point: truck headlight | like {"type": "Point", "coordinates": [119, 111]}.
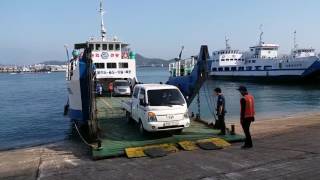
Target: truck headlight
{"type": "Point", "coordinates": [152, 117]}
{"type": "Point", "coordinates": [186, 114]}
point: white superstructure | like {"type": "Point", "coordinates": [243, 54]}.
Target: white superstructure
{"type": "Point", "coordinates": [263, 60]}
{"type": "Point", "coordinates": [100, 59]}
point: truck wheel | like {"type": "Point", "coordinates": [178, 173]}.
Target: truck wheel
{"type": "Point", "coordinates": [128, 117]}
{"type": "Point", "coordinates": [141, 128]}
{"type": "Point", "coordinates": [178, 131]}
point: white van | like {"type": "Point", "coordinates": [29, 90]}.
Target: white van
{"type": "Point", "coordinates": [157, 107]}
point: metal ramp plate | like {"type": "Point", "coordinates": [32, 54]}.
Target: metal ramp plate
{"type": "Point", "coordinates": [208, 146]}
{"type": "Point", "coordinates": [155, 152]}
{"type": "Point", "coordinates": [137, 152]}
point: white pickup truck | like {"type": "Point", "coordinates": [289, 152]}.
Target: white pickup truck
{"type": "Point", "coordinates": [157, 107]}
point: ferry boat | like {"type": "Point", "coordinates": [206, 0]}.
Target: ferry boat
{"type": "Point", "coordinates": [263, 61]}
{"type": "Point", "coordinates": [96, 61]}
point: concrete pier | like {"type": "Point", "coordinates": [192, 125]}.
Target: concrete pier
{"type": "Point", "coordinates": [284, 148]}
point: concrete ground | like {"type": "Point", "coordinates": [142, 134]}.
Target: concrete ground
{"type": "Point", "coordinates": [286, 148]}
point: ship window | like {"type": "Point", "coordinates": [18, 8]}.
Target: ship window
{"type": "Point", "coordinates": [111, 65]}
{"type": "Point", "coordinates": [99, 65]}
{"type": "Point", "coordinates": [214, 69]}
{"type": "Point", "coordinates": [220, 69]}
{"type": "Point", "coordinates": [117, 47]}
{"type": "Point", "coordinates": [233, 68]}
{"type": "Point", "coordinates": [258, 67]}
{"type": "Point", "coordinates": [227, 69]}
{"type": "Point", "coordinates": [98, 47]}
{"type": "Point", "coordinates": [222, 59]}
{"type": "Point", "coordinates": [248, 68]}
{"type": "Point", "coordinates": [227, 60]}
{"type": "Point", "coordinates": [241, 68]}
{"type": "Point", "coordinates": [267, 67]}
{"type": "Point", "coordinates": [123, 65]}
{"type": "Point", "coordinates": [253, 61]}
{"type": "Point", "coordinates": [111, 47]}
{"type": "Point", "coordinates": [91, 46]}
{"type": "Point", "coordinates": [104, 46]}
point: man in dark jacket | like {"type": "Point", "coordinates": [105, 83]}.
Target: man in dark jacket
{"type": "Point", "coordinates": [221, 105]}
{"type": "Point", "coordinates": [246, 115]}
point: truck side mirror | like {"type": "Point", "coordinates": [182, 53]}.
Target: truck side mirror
{"type": "Point", "coordinates": [142, 103]}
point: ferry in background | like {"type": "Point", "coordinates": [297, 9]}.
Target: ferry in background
{"type": "Point", "coordinates": [263, 61]}
{"type": "Point", "coordinates": [111, 59]}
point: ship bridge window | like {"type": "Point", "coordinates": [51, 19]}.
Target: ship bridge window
{"type": "Point", "coordinates": [99, 65]}
{"type": "Point", "coordinates": [123, 65]}
{"type": "Point", "coordinates": [249, 68]}
{"type": "Point", "coordinates": [220, 69]}
{"type": "Point", "coordinates": [241, 69]}
{"type": "Point", "coordinates": [111, 65]}
{"type": "Point", "coordinates": [267, 67]}
{"type": "Point", "coordinates": [227, 69]}
{"type": "Point", "coordinates": [104, 46]}
{"type": "Point", "coordinates": [117, 47]}
{"type": "Point", "coordinates": [222, 59]}
{"type": "Point", "coordinates": [214, 69]}
{"type": "Point", "coordinates": [111, 47]}
{"type": "Point", "coordinates": [98, 46]}
{"type": "Point", "coordinates": [91, 46]}
{"type": "Point", "coordinates": [233, 68]}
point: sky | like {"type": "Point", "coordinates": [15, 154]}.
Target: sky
{"type": "Point", "coordinates": [33, 31]}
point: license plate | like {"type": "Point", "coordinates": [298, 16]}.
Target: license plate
{"type": "Point", "coordinates": [171, 123]}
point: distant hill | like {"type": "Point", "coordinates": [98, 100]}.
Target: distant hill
{"type": "Point", "coordinates": [140, 61]}
{"type": "Point", "coordinates": [144, 61]}
{"type": "Point", "coordinates": [54, 62]}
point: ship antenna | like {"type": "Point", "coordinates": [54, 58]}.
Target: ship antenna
{"type": "Point", "coordinates": [295, 45]}
{"type": "Point", "coordinates": [227, 43]}
{"type": "Point", "coordinates": [103, 29]}
{"type": "Point", "coordinates": [261, 33]}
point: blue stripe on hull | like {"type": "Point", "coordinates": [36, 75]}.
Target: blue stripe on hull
{"type": "Point", "coordinates": [313, 70]}
{"type": "Point", "coordinates": [75, 114]}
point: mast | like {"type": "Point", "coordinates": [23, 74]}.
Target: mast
{"type": "Point", "coordinates": [103, 29]}
{"type": "Point", "coordinates": [261, 33]}
{"type": "Point", "coordinates": [295, 45]}
{"type": "Point", "coordinates": [227, 43]}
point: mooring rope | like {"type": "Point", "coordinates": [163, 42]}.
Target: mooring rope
{"type": "Point", "coordinates": [81, 137]}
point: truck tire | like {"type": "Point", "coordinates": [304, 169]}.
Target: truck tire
{"type": "Point", "coordinates": [178, 131]}
{"type": "Point", "coordinates": [141, 128]}
{"type": "Point", "coordinates": [128, 118]}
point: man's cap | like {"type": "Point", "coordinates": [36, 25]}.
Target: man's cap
{"type": "Point", "coordinates": [242, 89]}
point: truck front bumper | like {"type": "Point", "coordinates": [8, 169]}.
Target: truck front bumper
{"type": "Point", "coordinates": [166, 125]}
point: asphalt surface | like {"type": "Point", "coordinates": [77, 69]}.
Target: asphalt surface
{"type": "Point", "coordinates": [283, 149]}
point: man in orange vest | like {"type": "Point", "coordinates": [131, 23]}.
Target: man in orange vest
{"type": "Point", "coordinates": [246, 115]}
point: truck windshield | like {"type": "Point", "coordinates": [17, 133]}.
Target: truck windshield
{"type": "Point", "coordinates": [165, 97]}
{"type": "Point", "coordinates": [121, 83]}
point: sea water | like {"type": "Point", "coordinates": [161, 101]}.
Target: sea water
{"type": "Point", "coordinates": [31, 104]}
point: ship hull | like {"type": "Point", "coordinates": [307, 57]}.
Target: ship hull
{"type": "Point", "coordinates": [310, 74]}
